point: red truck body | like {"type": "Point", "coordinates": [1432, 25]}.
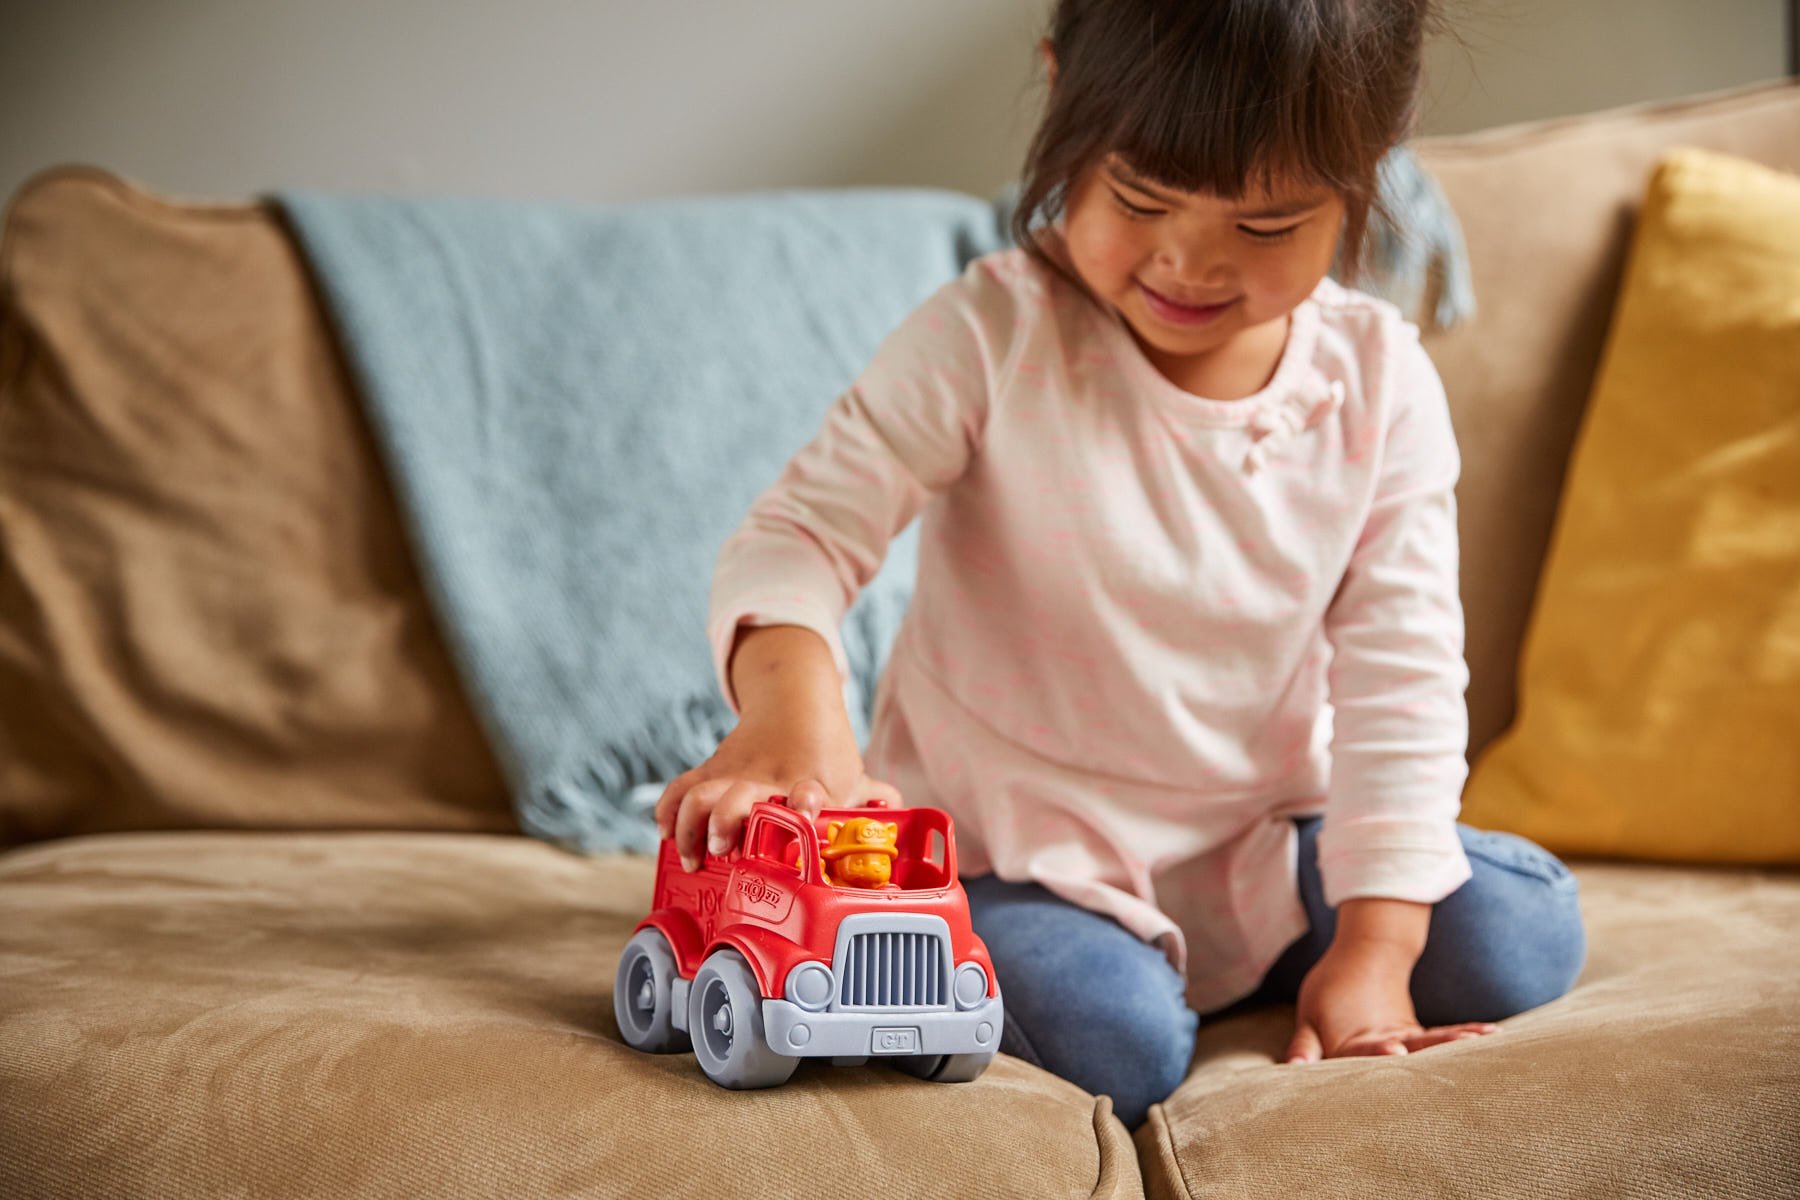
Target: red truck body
{"type": "Point", "coordinates": [761, 957]}
{"type": "Point", "coordinates": [773, 905]}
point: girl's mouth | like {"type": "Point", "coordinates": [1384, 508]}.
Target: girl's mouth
{"type": "Point", "coordinates": [1183, 314]}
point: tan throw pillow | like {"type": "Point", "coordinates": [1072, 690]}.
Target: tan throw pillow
{"type": "Point", "coordinates": [1659, 711]}
{"type": "Point", "coordinates": [208, 614]}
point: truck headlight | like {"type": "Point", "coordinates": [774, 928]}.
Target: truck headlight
{"type": "Point", "coordinates": [810, 985]}
{"type": "Point", "coordinates": [971, 985]}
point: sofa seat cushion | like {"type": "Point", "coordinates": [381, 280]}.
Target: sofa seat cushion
{"type": "Point", "coordinates": [1672, 1069]}
{"type": "Point", "coordinates": [430, 1014]}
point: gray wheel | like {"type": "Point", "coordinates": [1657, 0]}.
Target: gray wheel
{"type": "Point", "coordinates": [641, 994]}
{"type": "Point", "coordinates": [946, 1068]}
{"type": "Point", "coordinates": [725, 1022]}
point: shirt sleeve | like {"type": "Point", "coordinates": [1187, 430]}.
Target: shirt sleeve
{"type": "Point", "coordinates": [1400, 727]}
{"type": "Point", "coordinates": [908, 427]}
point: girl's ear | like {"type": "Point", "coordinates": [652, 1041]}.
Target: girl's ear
{"type": "Point", "coordinates": [1049, 55]}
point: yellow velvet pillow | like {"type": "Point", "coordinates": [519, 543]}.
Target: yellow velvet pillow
{"type": "Point", "coordinates": [1659, 692]}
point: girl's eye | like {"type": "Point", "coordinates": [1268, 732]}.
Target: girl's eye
{"type": "Point", "coordinates": [1131, 210]}
{"type": "Point", "coordinates": [1270, 235]}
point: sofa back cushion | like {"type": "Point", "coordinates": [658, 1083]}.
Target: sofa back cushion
{"type": "Point", "coordinates": [208, 614]}
{"type": "Point", "coordinates": [1547, 209]}
{"type": "Point", "coordinates": [1660, 682]}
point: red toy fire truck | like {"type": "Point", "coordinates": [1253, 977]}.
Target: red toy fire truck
{"type": "Point", "coordinates": [844, 937]}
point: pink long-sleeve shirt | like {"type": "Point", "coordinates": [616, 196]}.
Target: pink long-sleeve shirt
{"type": "Point", "coordinates": [1149, 627]}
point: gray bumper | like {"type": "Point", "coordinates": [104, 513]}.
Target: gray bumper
{"type": "Point", "coordinates": [793, 1030]}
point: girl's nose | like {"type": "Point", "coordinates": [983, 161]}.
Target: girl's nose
{"type": "Point", "coordinates": [1197, 266]}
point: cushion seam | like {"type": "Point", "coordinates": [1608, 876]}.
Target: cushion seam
{"type": "Point", "coordinates": [1166, 1138]}
{"type": "Point", "coordinates": [1100, 1151]}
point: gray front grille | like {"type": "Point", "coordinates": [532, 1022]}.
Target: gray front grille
{"type": "Point", "coordinates": [893, 970]}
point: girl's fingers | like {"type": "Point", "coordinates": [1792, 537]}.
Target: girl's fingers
{"type": "Point", "coordinates": [707, 815]}
{"type": "Point", "coordinates": [1397, 1041]}
{"type": "Point", "coordinates": [1405, 1041]}
{"type": "Point", "coordinates": [808, 796]}
{"type": "Point", "coordinates": [728, 814]}
{"type": "Point", "coordinates": [1372, 1045]}
{"type": "Point", "coordinates": [691, 820]}
{"type": "Point", "coordinates": [1450, 1033]}
{"type": "Point", "coordinates": [670, 801]}
{"type": "Point", "coordinates": [874, 789]}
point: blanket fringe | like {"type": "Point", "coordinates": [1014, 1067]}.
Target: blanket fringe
{"type": "Point", "coordinates": [608, 803]}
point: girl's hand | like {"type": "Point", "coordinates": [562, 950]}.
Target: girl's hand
{"type": "Point", "coordinates": [813, 766]}
{"type": "Point", "coordinates": [1356, 1001]}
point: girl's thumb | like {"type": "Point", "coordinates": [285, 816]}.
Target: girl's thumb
{"type": "Point", "coordinates": [1304, 1046]}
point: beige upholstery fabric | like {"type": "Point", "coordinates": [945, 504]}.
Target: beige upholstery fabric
{"type": "Point", "coordinates": [1670, 1071]}
{"type": "Point", "coordinates": [208, 613]}
{"type": "Point", "coordinates": [196, 1014]}
{"type": "Point", "coordinates": [430, 1015]}
{"type": "Point", "coordinates": [1547, 210]}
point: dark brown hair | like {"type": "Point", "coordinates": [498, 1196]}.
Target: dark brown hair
{"type": "Point", "coordinates": [1219, 95]}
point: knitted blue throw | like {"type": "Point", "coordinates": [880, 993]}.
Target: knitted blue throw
{"type": "Point", "coordinates": [576, 406]}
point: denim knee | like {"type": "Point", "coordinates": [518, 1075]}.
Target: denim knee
{"type": "Point", "coordinates": [1510, 939]}
{"type": "Point", "coordinates": [1135, 1049]}
{"type": "Point", "coordinates": [1085, 998]}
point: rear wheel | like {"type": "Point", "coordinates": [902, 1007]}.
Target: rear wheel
{"type": "Point", "coordinates": [725, 1022]}
{"type": "Point", "coordinates": [946, 1068]}
{"type": "Point", "coordinates": [642, 995]}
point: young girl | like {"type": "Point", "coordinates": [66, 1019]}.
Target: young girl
{"type": "Point", "coordinates": [1184, 656]}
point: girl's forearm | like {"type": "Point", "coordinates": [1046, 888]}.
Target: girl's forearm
{"type": "Point", "coordinates": [786, 672]}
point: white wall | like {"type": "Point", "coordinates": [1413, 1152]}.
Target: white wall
{"type": "Point", "coordinates": [623, 99]}
{"type": "Point", "coordinates": [1520, 60]}
{"type": "Point", "coordinates": [576, 99]}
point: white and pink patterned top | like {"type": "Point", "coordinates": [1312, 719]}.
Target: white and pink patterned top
{"type": "Point", "coordinates": [1149, 627]}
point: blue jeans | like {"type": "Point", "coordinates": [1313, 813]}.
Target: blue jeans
{"type": "Point", "coordinates": [1090, 1001]}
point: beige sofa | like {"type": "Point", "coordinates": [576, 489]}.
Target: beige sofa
{"type": "Point", "coordinates": [267, 927]}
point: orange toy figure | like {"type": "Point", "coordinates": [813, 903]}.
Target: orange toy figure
{"type": "Point", "coordinates": [861, 852]}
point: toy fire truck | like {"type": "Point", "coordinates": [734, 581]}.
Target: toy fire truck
{"type": "Point", "coordinates": [844, 937]}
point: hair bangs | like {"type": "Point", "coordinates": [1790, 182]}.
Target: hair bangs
{"type": "Point", "coordinates": [1272, 112]}
{"type": "Point", "coordinates": [1235, 98]}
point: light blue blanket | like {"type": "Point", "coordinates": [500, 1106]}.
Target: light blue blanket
{"type": "Point", "coordinates": [578, 404]}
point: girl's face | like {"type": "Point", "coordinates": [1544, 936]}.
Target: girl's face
{"type": "Point", "coordinates": [1191, 271]}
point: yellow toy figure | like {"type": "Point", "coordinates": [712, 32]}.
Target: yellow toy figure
{"type": "Point", "coordinates": [860, 852]}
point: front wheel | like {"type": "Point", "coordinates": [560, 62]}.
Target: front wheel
{"type": "Point", "coordinates": [725, 1022]}
{"type": "Point", "coordinates": [946, 1068]}
{"type": "Point", "coordinates": [642, 995]}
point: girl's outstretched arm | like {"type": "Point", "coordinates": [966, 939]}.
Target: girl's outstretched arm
{"type": "Point", "coordinates": [1389, 849]}
{"type": "Point", "coordinates": [908, 428]}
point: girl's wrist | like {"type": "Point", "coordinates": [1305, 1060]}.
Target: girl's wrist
{"type": "Point", "coordinates": [1380, 927]}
